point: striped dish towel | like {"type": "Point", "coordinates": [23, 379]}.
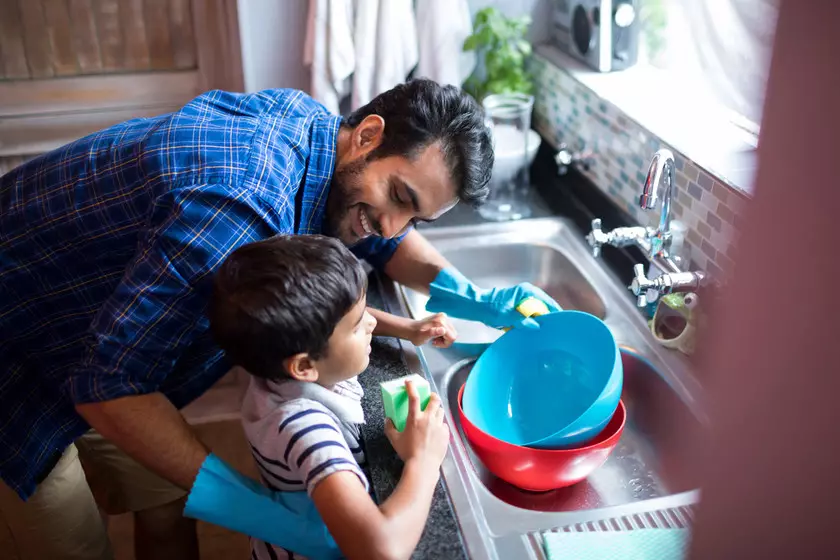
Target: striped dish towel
{"type": "Point", "coordinates": [641, 544]}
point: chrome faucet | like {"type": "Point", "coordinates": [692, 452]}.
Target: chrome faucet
{"type": "Point", "coordinates": [655, 243]}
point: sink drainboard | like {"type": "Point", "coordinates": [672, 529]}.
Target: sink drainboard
{"type": "Point", "coordinates": [670, 518]}
{"type": "Point", "coordinates": [645, 483]}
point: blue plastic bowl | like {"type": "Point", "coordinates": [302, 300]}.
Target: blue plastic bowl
{"type": "Point", "coordinates": [554, 387]}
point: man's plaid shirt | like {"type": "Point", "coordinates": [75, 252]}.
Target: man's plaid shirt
{"type": "Point", "coordinates": [108, 244]}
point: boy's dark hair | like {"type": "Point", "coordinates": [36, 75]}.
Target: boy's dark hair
{"type": "Point", "coordinates": [282, 296]}
{"type": "Point", "coordinates": [421, 112]}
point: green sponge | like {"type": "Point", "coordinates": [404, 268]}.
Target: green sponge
{"type": "Point", "coordinates": [395, 398]}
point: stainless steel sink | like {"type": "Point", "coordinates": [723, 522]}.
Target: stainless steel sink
{"type": "Point", "coordinates": [490, 266]}
{"type": "Point", "coordinates": [643, 473]}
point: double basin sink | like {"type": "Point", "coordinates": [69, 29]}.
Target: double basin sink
{"type": "Point", "coordinates": [643, 477]}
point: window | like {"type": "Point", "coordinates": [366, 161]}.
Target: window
{"type": "Point", "coordinates": [716, 49]}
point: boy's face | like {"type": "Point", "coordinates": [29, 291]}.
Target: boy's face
{"type": "Point", "coordinates": [348, 350]}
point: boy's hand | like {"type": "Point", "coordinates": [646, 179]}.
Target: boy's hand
{"type": "Point", "coordinates": [425, 437]}
{"type": "Point", "coordinates": [436, 328]}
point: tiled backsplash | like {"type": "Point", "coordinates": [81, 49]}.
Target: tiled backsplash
{"type": "Point", "coordinates": [567, 111]}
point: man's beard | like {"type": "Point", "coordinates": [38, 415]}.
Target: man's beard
{"type": "Point", "coordinates": [345, 192]}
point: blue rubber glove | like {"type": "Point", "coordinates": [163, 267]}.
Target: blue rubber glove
{"type": "Point", "coordinates": [222, 496]}
{"type": "Point", "coordinates": [452, 293]}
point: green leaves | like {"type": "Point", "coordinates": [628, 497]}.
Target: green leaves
{"type": "Point", "coordinates": [501, 41]}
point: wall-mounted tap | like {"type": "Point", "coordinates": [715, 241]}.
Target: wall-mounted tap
{"type": "Point", "coordinates": [659, 186]}
{"type": "Point", "coordinates": [566, 157]}
{"type": "Point", "coordinates": [661, 176]}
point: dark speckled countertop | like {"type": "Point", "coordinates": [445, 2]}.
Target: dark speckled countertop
{"type": "Point", "coordinates": [570, 196]}
{"type": "Point", "coordinates": [441, 537]}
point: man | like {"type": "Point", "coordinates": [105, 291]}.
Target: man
{"type": "Point", "coordinates": [107, 248]}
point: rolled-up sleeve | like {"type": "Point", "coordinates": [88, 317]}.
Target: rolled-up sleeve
{"type": "Point", "coordinates": [377, 250]}
{"type": "Point", "coordinates": [158, 307]}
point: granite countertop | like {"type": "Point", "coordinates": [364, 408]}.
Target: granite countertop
{"type": "Point", "coordinates": [571, 196]}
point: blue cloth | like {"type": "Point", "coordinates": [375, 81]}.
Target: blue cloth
{"type": "Point", "coordinates": [222, 496]}
{"type": "Point", "coordinates": [452, 293]}
{"type": "Point", "coordinates": [107, 246]}
{"type": "Point", "coordinates": [638, 544]}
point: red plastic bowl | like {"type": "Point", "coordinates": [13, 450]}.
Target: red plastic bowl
{"type": "Point", "coordinates": [541, 470]}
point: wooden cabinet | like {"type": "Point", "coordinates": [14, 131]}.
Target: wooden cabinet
{"type": "Point", "coordinates": [70, 67]}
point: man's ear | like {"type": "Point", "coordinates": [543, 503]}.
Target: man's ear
{"type": "Point", "coordinates": [301, 367]}
{"type": "Point", "coordinates": [367, 136]}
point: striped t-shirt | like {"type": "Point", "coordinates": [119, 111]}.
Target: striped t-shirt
{"type": "Point", "coordinates": [300, 433]}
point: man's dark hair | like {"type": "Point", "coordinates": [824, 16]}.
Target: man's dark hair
{"type": "Point", "coordinates": [282, 296]}
{"type": "Point", "coordinates": [422, 112]}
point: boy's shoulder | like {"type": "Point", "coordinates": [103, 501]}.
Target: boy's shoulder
{"type": "Point", "coordinates": [263, 404]}
{"type": "Point", "coordinates": [298, 441]}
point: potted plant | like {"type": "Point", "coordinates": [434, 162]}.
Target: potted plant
{"type": "Point", "coordinates": [502, 50]}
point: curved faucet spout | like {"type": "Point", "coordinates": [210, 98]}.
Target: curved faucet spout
{"type": "Point", "coordinates": [660, 183]}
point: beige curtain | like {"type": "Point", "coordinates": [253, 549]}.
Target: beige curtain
{"type": "Point", "coordinates": [723, 46]}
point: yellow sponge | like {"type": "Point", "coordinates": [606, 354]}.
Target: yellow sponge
{"type": "Point", "coordinates": [532, 306]}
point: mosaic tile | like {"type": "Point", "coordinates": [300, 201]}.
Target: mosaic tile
{"type": "Point", "coordinates": [713, 221]}
{"type": "Point", "coordinates": [574, 114]}
{"type": "Point", "coordinates": [721, 192]}
{"type": "Point", "coordinates": [725, 213]}
{"type": "Point", "coordinates": [724, 262]}
{"type": "Point", "coordinates": [694, 236]}
{"type": "Point", "coordinates": [713, 270]}
{"type": "Point", "coordinates": [708, 249]}
{"type": "Point", "coordinates": [695, 191]}
{"type": "Point", "coordinates": [705, 181]}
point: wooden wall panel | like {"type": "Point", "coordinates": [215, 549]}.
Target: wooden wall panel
{"type": "Point", "coordinates": [157, 34]}
{"type": "Point", "coordinates": [60, 33]}
{"type": "Point", "coordinates": [85, 39]}
{"type": "Point", "coordinates": [11, 41]}
{"type": "Point", "coordinates": [183, 40]}
{"type": "Point", "coordinates": [48, 38]}
{"type": "Point", "coordinates": [134, 28]}
{"type": "Point", "coordinates": [36, 41]}
{"type": "Point", "coordinates": [110, 35]}
{"type": "Point", "coordinates": [116, 59]}
{"type": "Point", "coordinates": [217, 44]}
{"type": "Point", "coordinates": [91, 93]}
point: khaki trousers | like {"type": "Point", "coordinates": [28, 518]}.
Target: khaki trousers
{"type": "Point", "coordinates": [62, 519]}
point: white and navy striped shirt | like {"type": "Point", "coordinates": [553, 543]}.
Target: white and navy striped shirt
{"type": "Point", "coordinates": [300, 433]}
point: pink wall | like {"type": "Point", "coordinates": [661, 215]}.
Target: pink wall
{"type": "Point", "coordinates": [771, 477]}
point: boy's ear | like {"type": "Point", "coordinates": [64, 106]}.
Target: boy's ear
{"type": "Point", "coordinates": [301, 367]}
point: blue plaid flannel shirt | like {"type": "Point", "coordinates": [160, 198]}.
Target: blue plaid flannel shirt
{"type": "Point", "coordinates": [107, 246]}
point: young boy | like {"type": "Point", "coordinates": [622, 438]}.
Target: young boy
{"type": "Point", "coordinates": [291, 310]}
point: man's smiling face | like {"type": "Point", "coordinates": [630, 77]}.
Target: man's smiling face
{"type": "Point", "coordinates": [385, 196]}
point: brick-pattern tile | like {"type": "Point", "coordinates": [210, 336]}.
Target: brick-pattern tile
{"type": "Point", "coordinates": [713, 221]}
{"type": "Point", "coordinates": [567, 111]}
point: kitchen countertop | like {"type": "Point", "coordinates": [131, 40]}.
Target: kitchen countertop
{"type": "Point", "coordinates": [571, 196]}
{"type": "Point", "coordinates": [441, 537]}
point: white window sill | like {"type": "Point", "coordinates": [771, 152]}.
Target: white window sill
{"type": "Point", "coordinates": [692, 124]}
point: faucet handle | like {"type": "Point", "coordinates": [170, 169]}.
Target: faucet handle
{"type": "Point", "coordinates": [566, 157]}
{"type": "Point", "coordinates": [596, 238]}
{"type": "Point", "coordinates": [640, 285]}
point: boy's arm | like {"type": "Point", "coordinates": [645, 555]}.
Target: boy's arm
{"type": "Point", "coordinates": [363, 530]}
{"type": "Point", "coordinates": [392, 530]}
{"type": "Point", "coordinates": [391, 325]}
{"type": "Point", "coordinates": [436, 328]}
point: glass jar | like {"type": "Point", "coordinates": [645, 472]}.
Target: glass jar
{"type": "Point", "coordinates": [509, 117]}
